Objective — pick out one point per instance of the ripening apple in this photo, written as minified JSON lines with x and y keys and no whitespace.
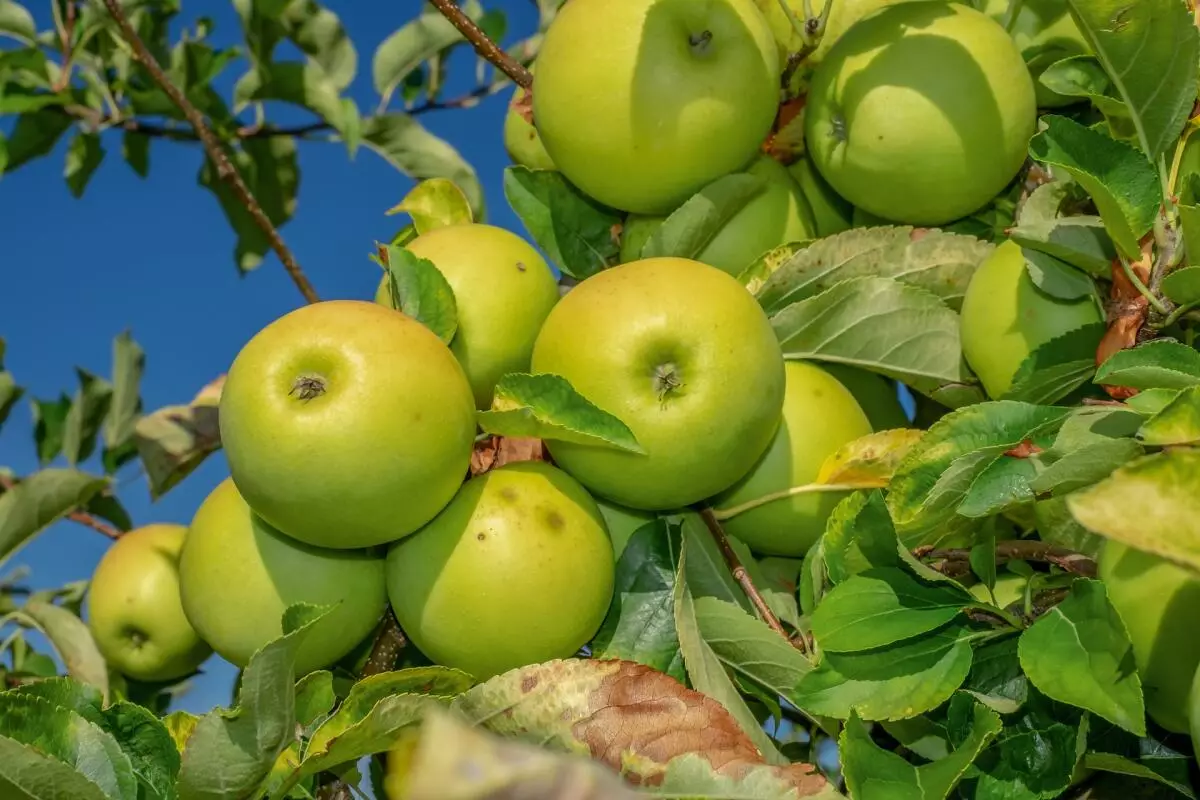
{"x":517,"y":570}
{"x":1159,"y":603}
{"x":831,"y":212}
{"x":641,"y":103}
{"x":134,"y":610}
{"x":503,"y":290}
{"x":819,"y":416}
{"x":238,"y":575}
{"x":1045,"y":32}
{"x":347,"y":424}
{"x":921,"y":112}
{"x":622,"y":523}
{"x":521,"y":139}
{"x":842,"y":14}
{"x":683,"y":355}
{"x":777,"y":215}
{"x":1005,"y":317}
{"x":876,"y":395}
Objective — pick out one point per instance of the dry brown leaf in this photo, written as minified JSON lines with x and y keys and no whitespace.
{"x":1025,"y":449}
{"x":785,"y":143}
{"x":1127,"y":312}
{"x":496,"y":451}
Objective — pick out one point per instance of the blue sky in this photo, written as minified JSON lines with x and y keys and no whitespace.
{"x":154,"y":256}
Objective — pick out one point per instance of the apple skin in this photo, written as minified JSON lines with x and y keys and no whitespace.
{"x":517,"y":570}
{"x":373,"y":456}
{"x":683,"y":355}
{"x":134,"y":610}
{"x":1158,"y":602}
{"x":921,"y":112}
{"x":622,"y":523}
{"x":1045,"y":32}
{"x":238,"y":575}
{"x":819,"y":416}
{"x":777,"y":215}
{"x":503,"y":290}
{"x":639,"y":117}
{"x":521,"y":140}
{"x":876,"y":395}
{"x":831,"y":212}
{"x":1005,"y":317}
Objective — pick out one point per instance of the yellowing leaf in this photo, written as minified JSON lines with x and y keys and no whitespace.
{"x":870,"y":461}
{"x":435,"y":203}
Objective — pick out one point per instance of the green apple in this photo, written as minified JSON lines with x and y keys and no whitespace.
{"x":831,"y":212}
{"x":521,"y":139}
{"x":921,"y":113}
{"x":777,"y":215}
{"x":503,"y":290}
{"x":641,"y":103}
{"x":876,"y":395}
{"x":1158,"y":602}
{"x":517,"y":570}
{"x":819,"y":416}
{"x":1045,"y":32}
{"x":238,"y":575}
{"x":842,"y":14}
{"x":134,"y":610}
{"x":622,"y":523}
{"x":682,"y":354}
{"x":1005,"y":317}
{"x":347,"y":424}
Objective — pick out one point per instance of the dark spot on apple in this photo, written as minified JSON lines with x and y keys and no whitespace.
{"x":481,"y":536}
{"x":308,"y":387}
{"x":528,"y":684}
{"x":508,"y":493}
{"x":555,"y":520}
{"x":838,"y":127}
{"x":521,"y":266}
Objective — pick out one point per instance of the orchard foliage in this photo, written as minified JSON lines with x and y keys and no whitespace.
{"x":950,"y":630}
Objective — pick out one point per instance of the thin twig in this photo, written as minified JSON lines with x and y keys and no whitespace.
{"x":738,"y":570}
{"x":483,"y":45}
{"x":226,"y":171}
{"x":336,"y":789}
{"x":1018,"y":550}
{"x":81,"y":517}
{"x":389,"y":643}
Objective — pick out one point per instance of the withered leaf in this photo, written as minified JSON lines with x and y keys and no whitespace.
{"x":496,"y":451}
{"x":174,"y":440}
{"x":869,"y":461}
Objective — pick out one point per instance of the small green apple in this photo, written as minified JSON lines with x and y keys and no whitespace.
{"x":641,"y":103}
{"x":503,"y":290}
{"x":134,"y":610}
{"x":517,"y":570}
{"x":876,"y":395}
{"x":1005,"y":317}
{"x":921,"y":112}
{"x":682,"y":354}
{"x":622,"y":523}
{"x":347,"y":424}
{"x":238,"y":575}
{"x":777,"y":215}
{"x":819,"y":416}
{"x":831,"y":212}
{"x":521,"y":139}
{"x":1158,"y":602}
{"x":1045,"y":32}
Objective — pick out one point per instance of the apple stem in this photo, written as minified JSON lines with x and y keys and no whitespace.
{"x":794,"y":491}
{"x":488,"y":49}
{"x":308,"y":387}
{"x":226,"y":171}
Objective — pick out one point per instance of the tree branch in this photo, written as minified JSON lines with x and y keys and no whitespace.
{"x":81,"y":517}
{"x":225,"y":168}
{"x":1019,"y":550}
{"x":389,"y":643}
{"x":486,"y":48}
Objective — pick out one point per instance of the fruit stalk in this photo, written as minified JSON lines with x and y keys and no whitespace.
{"x":226,"y":171}
{"x":483,"y":45}
{"x":738,"y":570}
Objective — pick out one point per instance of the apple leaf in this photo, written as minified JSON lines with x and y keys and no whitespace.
{"x":996,"y":677}
{"x":315,"y":697}
{"x":640,"y":625}
{"x":879,"y":324}
{"x":16,"y":21}
{"x":418,"y":289}
{"x":546,"y":406}
{"x":417,"y":41}
{"x":1157,"y":364}
{"x":1178,"y":423}
{"x":49,"y":424}
{"x":1151,"y":504}
{"x":873,"y":773}
{"x":174,"y":440}
{"x":86,"y":415}
{"x":1189,"y":223}
{"x":1002,"y":484}
{"x":869,"y":461}
{"x":707,"y":573}
{"x":898,"y":681}
{"x":180,"y":725}
{"x":690,"y":228}
{"x":1150,"y":50}
{"x":1119,"y":179}
{"x":1057,"y":367}
{"x":1183,"y":285}
{"x":73,"y":641}
{"x":575,"y":231}
{"x":1112,"y":749}
{"x":1079,"y":241}
{"x":859,"y":537}
{"x":1056,"y":277}
{"x":125,"y":407}
{"x":881,"y":606}
{"x":435,"y":203}
{"x":10,"y":393}
{"x":1083,"y":77}
{"x":27,"y":771}
{"x":1149,"y":402}
{"x":939,"y":262}
{"x":1123,"y":765}
{"x":760,"y":269}
{"x":46,"y":496}
{"x":938,"y":472}
{"x":1085,"y":466}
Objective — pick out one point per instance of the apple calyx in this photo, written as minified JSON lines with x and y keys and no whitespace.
{"x":136,"y":637}
{"x":666,"y":381}
{"x":308,"y":387}
{"x":700,"y":42}
{"x":840,"y":127}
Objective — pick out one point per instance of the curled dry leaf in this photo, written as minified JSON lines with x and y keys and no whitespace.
{"x":1127,"y":312}
{"x":785,"y":143}
{"x":174,"y":440}
{"x":625,"y":715}
{"x":496,"y":451}
{"x":870,"y":460}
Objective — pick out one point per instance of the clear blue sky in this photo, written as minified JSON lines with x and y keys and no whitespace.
{"x":155,"y":256}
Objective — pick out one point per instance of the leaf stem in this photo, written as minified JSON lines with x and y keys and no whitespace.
{"x":1174,"y":316}
{"x":483,"y":45}
{"x":226,"y":171}
{"x":1141,"y":287}
{"x":794,"y":491}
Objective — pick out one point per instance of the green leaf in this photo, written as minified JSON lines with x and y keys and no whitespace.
{"x":1157,"y":364}
{"x":873,"y":773}
{"x":49,"y":426}
{"x":314,"y":696}
{"x":1081,"y":242}
{"x":174,"y":440}
{"x":546,"y":406}
{"x":10,"y":393}
{"x":1189,"y":223}
{"x":640,"y":625}
{"x":129,"y":361}
{"x":402,"y":142}
{"x":1079,"y":653}
{"x":1082,"y":76}
{"x":34,"y":135}
{"x":878,"y":324}
{"x":1055,"y":277}
{"x":88,"y":411}
{"x":135,"y":149}
{"x":145,"y":740}
{"x":83,"y":157}
{"x":1119,"y":179}
{"x":997,"y":679}
{"x":319,"y":34}
{"x":1151,"y":504}
{"x":41,"y":500}
{"x":26,"y":773}
{"x":899,"y":681}
{"x":305,"y":85}
{"x":575,"y":231}
{"x":1149,"y":402}
{"x":882,"y":606}
{"x":419,"y":40}
{"x":16,"y":21}
{"x":1150,"y":50}
{"x":418,"y":289}
{"x":1058,"y":367}
{"x":230,"y":752}
{"x":692,"y":226}
{"x":180,"y":725}
{"x":1085,"y":466}
{"x":1176,"y":424}
{"x":435,"y":203}
{"x":73,"y":641}
{"x":859,"y":536}
{"x":1111,"y":749}
{"x":939,"y":262}
{"x":1183,"y":285}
